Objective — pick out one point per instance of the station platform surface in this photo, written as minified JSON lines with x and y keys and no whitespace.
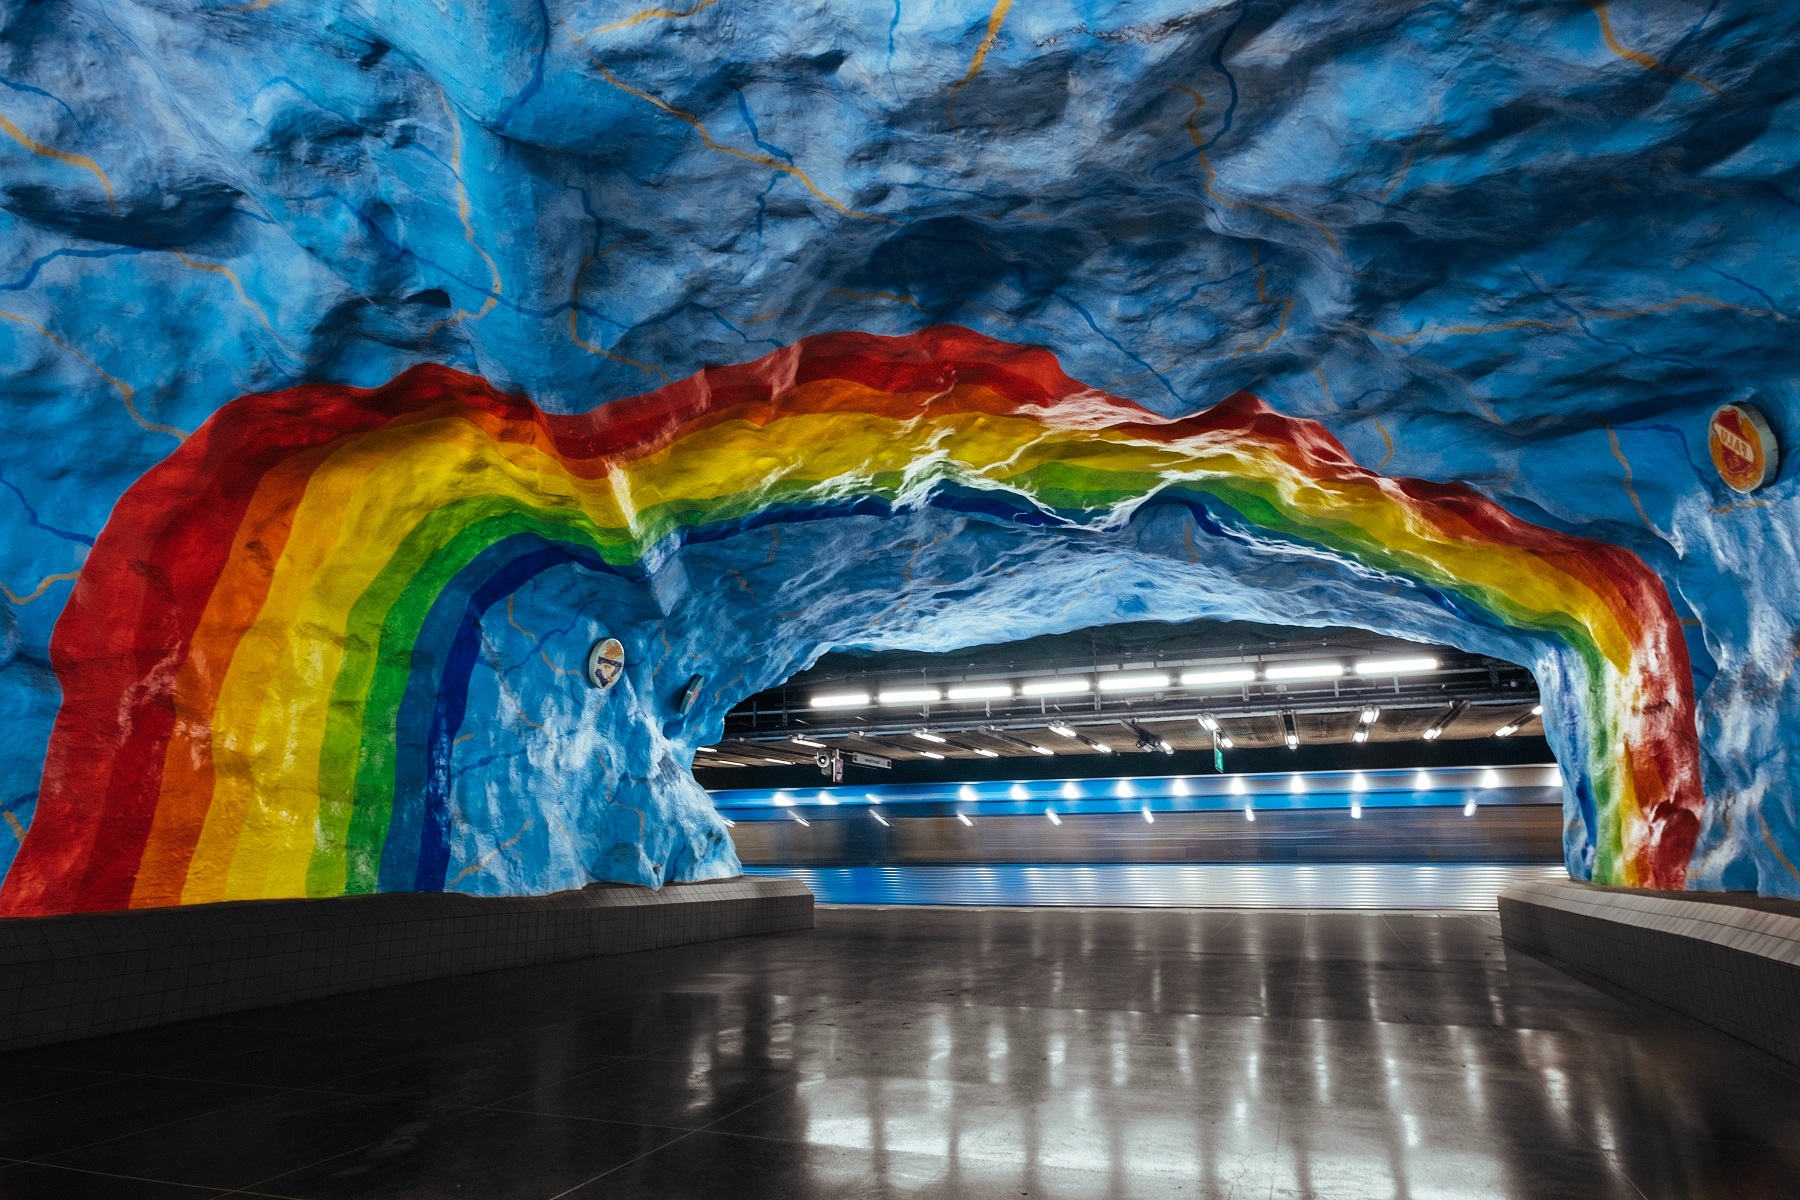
{"x":936,"y":1054}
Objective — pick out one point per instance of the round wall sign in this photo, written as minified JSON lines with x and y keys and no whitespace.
{"x":1743,"y":447}
{"x":605,"y":663}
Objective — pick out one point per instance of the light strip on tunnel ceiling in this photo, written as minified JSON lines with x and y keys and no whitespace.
{"x":1148,"y":682}
{"x":921,"y":695}
{"x":1396,"y":666}
{"x":1450,"y":714}
{"x":1055,"y":687}
{"x":981,"y":691}
{"x":840,"y":700}
{"x":1216,"y":677}
{"x":1305,"y":671}
{"x":928,"y":736}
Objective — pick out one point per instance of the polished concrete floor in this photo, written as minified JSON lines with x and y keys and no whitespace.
{"x":927,"y":1052}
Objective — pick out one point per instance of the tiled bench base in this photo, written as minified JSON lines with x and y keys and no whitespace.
{"x":77,"y":976}
{"x":1732,"y":961}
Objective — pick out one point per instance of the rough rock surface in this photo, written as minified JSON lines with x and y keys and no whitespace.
{"x":1525,"y":246}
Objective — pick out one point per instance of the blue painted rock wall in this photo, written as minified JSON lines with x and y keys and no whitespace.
{"x":1525,"y":246}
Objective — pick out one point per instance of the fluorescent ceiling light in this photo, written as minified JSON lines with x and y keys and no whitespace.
{"x":1042,"y":749}
{"x":1208,"y":723}
{"x":986,"y":753}
{"x":927,"y":735}
{"x":1067,"y":731}
{"x":1469,"y":809}
{"x":800,"y":741}
{"x":1136,"y":682}
{"x":1355,"y":812}
{"x":878,"y":817}
{"x":981,"y":691}
{"x":729,"y":823}
{"x":1395,"y":666}
{"x":1249,"y":814}
{"x":1149,"y":819}
{"x":1304,"y":671}
{"x":1054,"y":687}
{"x":1432,"y":734}
{"x":704,"y":750}
{"x":1054,"y":819}
{"x":1293,"y":742}
{"x":781,"y":762}
{"x":919,"y":695}
{"x":801,"y":819}
{"x":964,"y":818}
{"x":1537,"y":710}
{"x":1506,"y":730}
{"x":1361,"y":734}
{"x":1225,"y":743}
{"x":1217,"y":676}
{"x":840,"y":700}
{"x":932,"y":754}
{"x":1368,"y":715}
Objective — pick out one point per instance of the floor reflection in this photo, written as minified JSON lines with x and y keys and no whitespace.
{"x":938,"y":1053}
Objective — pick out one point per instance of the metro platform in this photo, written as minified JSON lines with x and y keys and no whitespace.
{"x":934,"y":1053}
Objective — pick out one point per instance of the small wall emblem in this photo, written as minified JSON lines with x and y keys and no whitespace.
{"x":1743,"y":447}
{"x":605,"y":663}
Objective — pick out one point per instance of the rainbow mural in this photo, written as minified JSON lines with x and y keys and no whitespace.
{"x":266,"y":658}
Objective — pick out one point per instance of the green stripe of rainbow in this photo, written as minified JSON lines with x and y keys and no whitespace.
{"x":266,"y":598}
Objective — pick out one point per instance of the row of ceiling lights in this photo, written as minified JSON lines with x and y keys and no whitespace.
{"x":1140,"y":681}
{"x":1148,"y":741}
{"x":1072,"y":789}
